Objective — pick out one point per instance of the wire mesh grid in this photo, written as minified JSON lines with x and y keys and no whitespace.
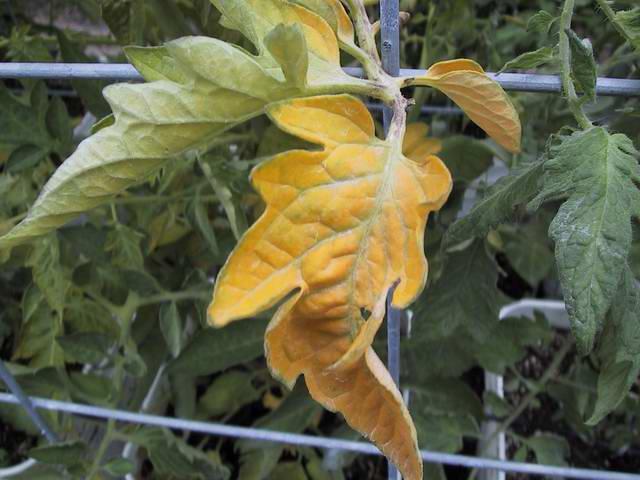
{"x":389,"y":10}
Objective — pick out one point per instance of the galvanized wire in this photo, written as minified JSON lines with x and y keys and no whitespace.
{"x":223,"y":430}
{"x":13,"y":386}
{"x":515,"y":82}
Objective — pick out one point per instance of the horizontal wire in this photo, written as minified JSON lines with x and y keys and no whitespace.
{"x":516,"y":82}
{"x":311,"y":441}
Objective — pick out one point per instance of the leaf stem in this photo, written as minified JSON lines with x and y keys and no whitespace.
{"x":565,"y":59}
{"x":174,"y":297}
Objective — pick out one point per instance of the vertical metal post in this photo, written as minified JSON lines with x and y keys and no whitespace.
{"x":12,"y":385}
{"x":390,"y":49}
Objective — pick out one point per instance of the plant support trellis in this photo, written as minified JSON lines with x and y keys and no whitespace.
{"x":390,"y":56}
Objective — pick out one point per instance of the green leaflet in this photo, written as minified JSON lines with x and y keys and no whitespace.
{"x":619,"y":349}
{"x":541,"y":22}
{"x":530,"y":59}
{"x":583,"y":65}
{"x":498,"y":204}
{"x":465,"y":296}
{"x":598,"y":172}
{"x":199,"y":88}
{"x":629,"y":22}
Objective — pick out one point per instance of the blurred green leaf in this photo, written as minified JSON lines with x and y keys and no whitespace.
{"x":65,"y":453}
{"x":212,"y":350}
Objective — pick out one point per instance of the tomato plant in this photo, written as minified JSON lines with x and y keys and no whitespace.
{"x":247,"y":117}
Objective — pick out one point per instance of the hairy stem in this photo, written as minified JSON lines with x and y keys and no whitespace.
{"x":611,"y":15}
{"x":565,"y":59}
{"x":366,"y":39}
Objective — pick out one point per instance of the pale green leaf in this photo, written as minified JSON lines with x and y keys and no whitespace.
{"x":528,"y":60}
{"x":583,"y":65}
{"x":287,"y":45}
{"x":598,"y":172}
{"x":629,"y":22}
{"x":541,"y":22}
{"x":227,"y":393}
{"x":171,"y":327}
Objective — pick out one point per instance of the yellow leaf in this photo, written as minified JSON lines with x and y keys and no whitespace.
{"x":482,"y":99}
{"x":342,"y":226}
{"x":415,"y":144}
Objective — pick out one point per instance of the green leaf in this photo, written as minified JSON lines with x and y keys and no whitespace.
{"x":498,"y":204}
{"x":456,"y":152}
{"x":85,"y":347}
{"x":619,"y":349}
{"x":119,"y":467}
{"x":171,"y":327}
{"x":40,"y":327}
{"x":200,"y":220}
{"x":123,"y":243}
{"x":214,"y":350}
{"x":66,"y":453}
{"x":287,"y":45}
{"x":465,"y":296}
{"x":21,"y":123}
{"x":59,"y":126}
{"x":48,"y":272}
{"x":583,"y":65}
{"x":541,"y":22}
{"x":444,"y":396}
{"x":629,"y":22}
{"x":171,"y":456}
{"x":90,"y":91}
{"x":227,"y":393}
{"x":288,"y":470}
{"x":169,"y":117}
{"x":550,"y":449}
{"x":598,"y":172}
{"x":125,"y":19}
{"x":529,"y":252}
{"x":25,"y":157}
{"x":530,"y":59}
{"x":258,"y":459}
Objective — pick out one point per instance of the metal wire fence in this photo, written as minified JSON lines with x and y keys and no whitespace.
{"x":390,"y":56}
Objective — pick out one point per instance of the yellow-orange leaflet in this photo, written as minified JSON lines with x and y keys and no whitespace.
{"x":341,"y":227}
{"x":481,"y":98}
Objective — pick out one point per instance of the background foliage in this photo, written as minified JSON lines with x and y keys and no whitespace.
{"x":94,"y":311}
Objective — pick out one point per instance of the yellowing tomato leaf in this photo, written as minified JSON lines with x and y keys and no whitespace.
{"x":342,"y":226}
{"x":481,"y":98}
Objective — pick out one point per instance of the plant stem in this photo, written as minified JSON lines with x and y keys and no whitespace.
{"x":102,"y":448}
{"x":366,"y":38}
{"x":174,"y":297}
{"x":547,"y":376}
{"x":565,"y":59}
{"x":611,"y":15}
